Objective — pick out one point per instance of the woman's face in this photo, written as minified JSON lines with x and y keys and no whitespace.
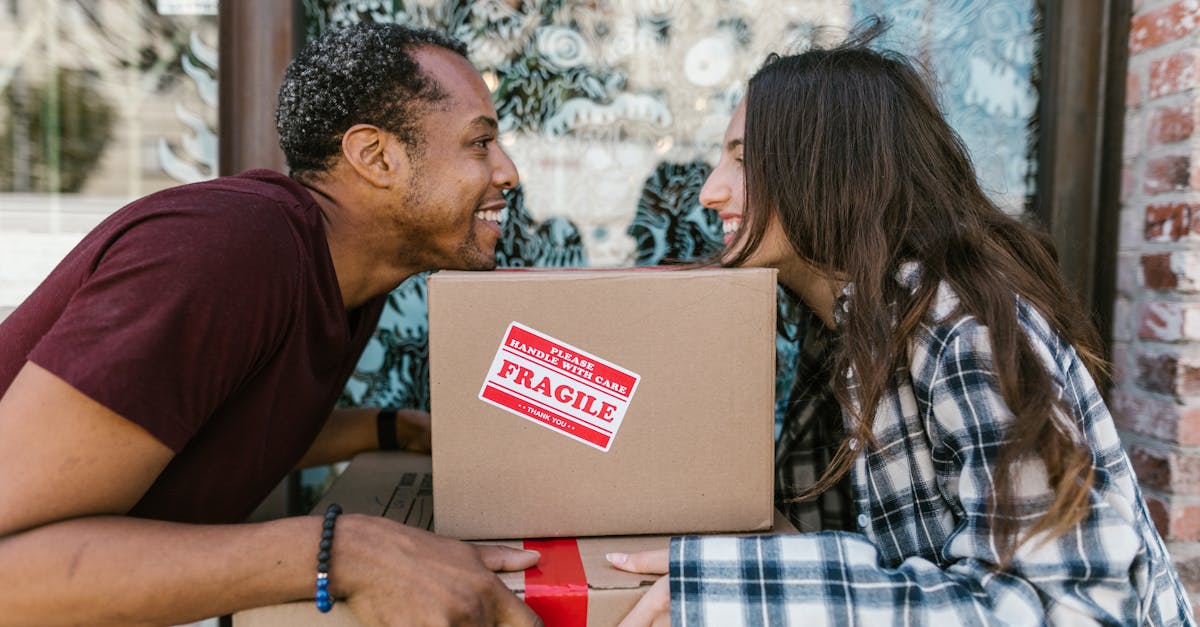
{"x":725,"y":192}
{"x":725,"y":189}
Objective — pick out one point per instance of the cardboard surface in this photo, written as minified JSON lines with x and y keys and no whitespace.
{"x":690,"y":353}
{"x":389,"y":484}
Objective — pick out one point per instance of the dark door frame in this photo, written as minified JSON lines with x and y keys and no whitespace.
{"x":256,"y":40}
{"x":1082,"y":114}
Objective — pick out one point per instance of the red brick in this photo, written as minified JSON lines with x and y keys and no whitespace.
{"x":1168,"y":374}
{"x":1159,"y":513}
{"x":1185,"y":474}
{"x":1157,"y":273}
{"x":1167,"y":174}
{"x":1186,"y":558}
{"x":1175,"y":520}
{"x":1172,"y":75}
{"x":1164,"y":24}
{"x":1133,"y":90}
{"x":1187,"y":427}
{"x":1153,"y":468}
{"x":1165,"y":469}
{"x":1157,"y":373}
{"x":1145,"y":415}
{"x":1171,"y":221}
{"x":1169,"y":322}
{"x":1156,"y":321}
{"x":1185,"y":522}
{"x":1185,"y":264}
{"x":1171,"y":124}
{"x":1160,"y":419}
{"x":1189,"y":379}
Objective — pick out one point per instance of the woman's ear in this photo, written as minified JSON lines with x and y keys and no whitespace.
{"x":367,"y":149}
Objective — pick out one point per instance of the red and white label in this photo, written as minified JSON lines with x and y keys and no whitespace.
{"x":559,"y":386}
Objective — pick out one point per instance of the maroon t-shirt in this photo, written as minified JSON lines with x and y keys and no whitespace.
{"x":210,"y":315}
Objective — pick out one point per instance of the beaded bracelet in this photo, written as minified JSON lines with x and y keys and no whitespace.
{"x":324,"y":600}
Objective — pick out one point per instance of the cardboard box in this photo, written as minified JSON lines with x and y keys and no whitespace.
{"x":602,"y":402}
{"x":396,"y":485}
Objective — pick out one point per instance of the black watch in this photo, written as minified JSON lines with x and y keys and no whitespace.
{"x":385,"y":429}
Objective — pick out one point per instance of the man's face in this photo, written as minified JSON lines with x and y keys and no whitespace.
{"x":450,"y":216}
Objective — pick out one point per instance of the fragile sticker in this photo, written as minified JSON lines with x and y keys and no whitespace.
{"x":559,"y":386}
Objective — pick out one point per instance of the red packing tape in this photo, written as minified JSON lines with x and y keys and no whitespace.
{"x":556,"y":588}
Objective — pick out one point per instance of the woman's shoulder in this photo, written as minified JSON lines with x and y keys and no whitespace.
{"x":950,"y":331}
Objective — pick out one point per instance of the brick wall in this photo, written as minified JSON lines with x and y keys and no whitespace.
{"x":1156,"y":356}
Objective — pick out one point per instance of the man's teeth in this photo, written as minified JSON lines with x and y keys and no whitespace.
{"x":493,"y":215}
{"x":731,"y":225}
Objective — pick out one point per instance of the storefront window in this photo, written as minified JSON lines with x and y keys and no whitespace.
{"x":101,"y":101}
{"x":614,"y":111}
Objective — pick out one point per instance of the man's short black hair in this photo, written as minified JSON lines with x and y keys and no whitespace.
{"x":361,"y":74}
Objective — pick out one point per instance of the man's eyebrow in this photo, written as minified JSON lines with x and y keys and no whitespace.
{"x":487,"y":121}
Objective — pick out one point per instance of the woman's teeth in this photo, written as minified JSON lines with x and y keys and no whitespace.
{"x":730,"y":225}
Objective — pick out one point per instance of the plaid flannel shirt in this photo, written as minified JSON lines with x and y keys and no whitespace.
{"x":906,"y":539}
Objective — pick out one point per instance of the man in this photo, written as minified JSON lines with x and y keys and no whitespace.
{"x":188,"y":352}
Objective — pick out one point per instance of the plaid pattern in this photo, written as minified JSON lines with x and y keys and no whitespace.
{"x":810,"y":435}
{"x":909,"y":542}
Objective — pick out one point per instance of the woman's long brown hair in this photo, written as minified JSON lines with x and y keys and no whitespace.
{"x":848,"y":148}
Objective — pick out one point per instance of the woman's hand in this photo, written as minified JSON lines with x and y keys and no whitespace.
{"x":412,"y":430}
{"x":655,"y":607}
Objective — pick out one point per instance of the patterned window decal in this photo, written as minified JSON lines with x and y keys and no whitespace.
{"x":614,"y":110}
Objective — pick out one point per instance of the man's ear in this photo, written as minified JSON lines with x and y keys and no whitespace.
{"x":367,"y":149}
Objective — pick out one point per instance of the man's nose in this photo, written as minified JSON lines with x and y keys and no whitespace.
{"x":505,"y":174}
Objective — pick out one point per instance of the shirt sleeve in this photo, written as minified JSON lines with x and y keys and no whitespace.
{"x":1089,"y":575}
{"x":180,"y":309}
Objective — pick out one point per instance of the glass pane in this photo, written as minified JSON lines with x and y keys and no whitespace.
{"x":101,"y":101}
{"x":982,"y":53}
{"x":614,"y":110}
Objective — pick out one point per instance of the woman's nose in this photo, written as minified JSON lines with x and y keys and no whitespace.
{"x":715,"y":193}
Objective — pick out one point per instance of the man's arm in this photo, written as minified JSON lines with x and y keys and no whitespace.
{"x":70,"y":468}
{"x":351,"y":431}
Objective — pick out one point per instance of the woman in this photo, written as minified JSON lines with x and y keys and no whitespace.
{"x":946,"y":435}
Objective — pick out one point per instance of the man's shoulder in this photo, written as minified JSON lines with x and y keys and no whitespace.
{"x":258,"y":209}
{"x":241,"y":195}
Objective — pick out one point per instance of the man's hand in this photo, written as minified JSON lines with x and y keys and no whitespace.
{"x":393,"y":575}
{"x":353,"y":430}
{"x":654,"y":608}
